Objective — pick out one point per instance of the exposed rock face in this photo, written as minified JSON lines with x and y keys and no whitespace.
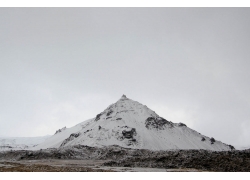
{"x":212,"y":140}
{"x":129,"y":133}
{"x":70,"y":138}
{"x":60,"y":130}
{"x":182,"y":124}
{"x":98,"y":117}
{"x":124,"y":96}
{"x":158,"y":123}
{"x":109,"y":112}
{"x":231,"y":147}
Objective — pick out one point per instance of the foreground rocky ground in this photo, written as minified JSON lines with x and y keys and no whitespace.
{"x":115,"y":158}
{"x":40,"y":166}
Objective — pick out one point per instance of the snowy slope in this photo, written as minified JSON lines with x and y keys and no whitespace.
{"x":128,"y":123}
{"x":20,"y":143}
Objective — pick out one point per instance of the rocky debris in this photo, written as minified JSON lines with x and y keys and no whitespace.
{"x":70,"y":138}
{"x":158,"y":123}
{"x":203,"y":139}
{"x":48,"y":167}
{"x":118,"y":119}
{"x":182,"y":124}
{"x":223,"y":161}
{"x":98,"y":116}
{"x":60,"y":130}
{"x":129,"y":133}
{"x":99,"y":127}
{"x":212,"y":140}
{"x":205,"y":160}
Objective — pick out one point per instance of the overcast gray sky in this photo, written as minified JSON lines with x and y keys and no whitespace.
{"x":61,"y":66}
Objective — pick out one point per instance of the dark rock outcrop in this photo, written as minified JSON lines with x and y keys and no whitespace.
{"x":231,"y":147}
{"x":98,"y":116}
{"x":182,"y":124}
{"x":212,"y":140}
{"x":129,"y":133}
{"x":60,"y":130}
{"x":109,"y":112}
{"x":158,"y":123}
{"x":70,"y":138}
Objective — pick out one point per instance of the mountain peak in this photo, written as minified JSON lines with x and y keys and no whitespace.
{"x":124,"y":96}
{"x":128,"y":123}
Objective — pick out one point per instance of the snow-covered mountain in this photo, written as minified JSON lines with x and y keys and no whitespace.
{"x":20,"y":143}
{"x":128,"y":123}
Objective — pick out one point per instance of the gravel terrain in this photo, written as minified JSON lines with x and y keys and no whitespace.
{"x":116,"y":158}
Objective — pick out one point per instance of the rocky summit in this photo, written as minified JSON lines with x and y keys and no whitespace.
{"x":129,"y":124}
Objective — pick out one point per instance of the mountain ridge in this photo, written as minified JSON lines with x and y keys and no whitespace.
{"x":20,"y":143}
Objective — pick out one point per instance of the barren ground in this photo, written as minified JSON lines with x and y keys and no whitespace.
{"x":73,"y":166}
